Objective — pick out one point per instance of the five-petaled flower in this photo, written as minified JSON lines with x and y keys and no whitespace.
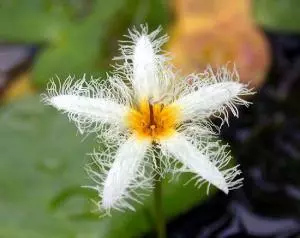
{"x":151,"y":120}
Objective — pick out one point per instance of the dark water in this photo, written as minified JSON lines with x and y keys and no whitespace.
{"x":266,"y":142}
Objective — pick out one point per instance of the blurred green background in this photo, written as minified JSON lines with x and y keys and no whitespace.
{"x":42,"y":157}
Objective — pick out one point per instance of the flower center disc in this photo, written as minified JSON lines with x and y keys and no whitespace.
{"x":153,"y":121}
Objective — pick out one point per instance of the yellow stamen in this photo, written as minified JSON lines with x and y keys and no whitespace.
{"x":153,"y":122}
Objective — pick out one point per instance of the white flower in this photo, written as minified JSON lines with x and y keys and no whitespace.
{"x":144,"y":111}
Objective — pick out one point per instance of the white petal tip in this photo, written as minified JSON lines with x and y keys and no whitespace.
{"x":225,"y":190}
{"x":144,"y":56}
{"x":106,"y":204}
{"x":235,"y":88}
{"x":110,"y":197}
{"x":61,"y":102}
{"x":222,"y":185}
{"x":54,"y":101}
{"x":144,"y":45}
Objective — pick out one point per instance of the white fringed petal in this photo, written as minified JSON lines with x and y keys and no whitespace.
{"x":144,"y":63}
{"x":144,"y":68}
{"x":197,"y":162}
{"x":90,"y":104}
{"x":83,"y":110}
{"x":123,"y":173}
{"x":217,"y":97}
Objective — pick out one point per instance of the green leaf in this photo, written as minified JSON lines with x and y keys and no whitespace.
{"x":78,"y":46}
{"x":282,"y":15}
{"x":75,"y":53}
{"x":30,"y":21}
{"x":41,"y":173}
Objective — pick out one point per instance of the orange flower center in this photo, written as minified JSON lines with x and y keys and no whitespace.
{"x":153,"y":122}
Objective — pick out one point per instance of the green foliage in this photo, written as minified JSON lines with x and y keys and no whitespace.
{"x":280,"y":15}
{"x":76,"y":37}
{"x":41,"y":173}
